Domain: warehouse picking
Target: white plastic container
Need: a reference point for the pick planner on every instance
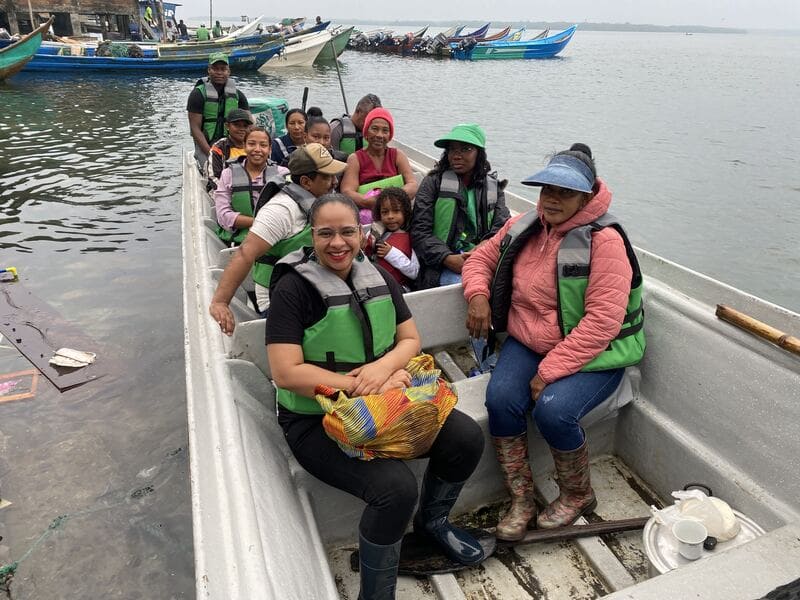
(661, 546)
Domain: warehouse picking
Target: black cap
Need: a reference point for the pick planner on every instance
(237, 114)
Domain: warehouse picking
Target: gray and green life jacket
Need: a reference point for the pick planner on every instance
(450, 209)
(241, 201)
(573, 267)
(214, 109)
(352, 139)
(264, 265)
(359, 325)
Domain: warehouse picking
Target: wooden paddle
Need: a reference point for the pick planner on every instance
(570, 532)
(756, 327)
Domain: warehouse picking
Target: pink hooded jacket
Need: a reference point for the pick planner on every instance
(533, 316)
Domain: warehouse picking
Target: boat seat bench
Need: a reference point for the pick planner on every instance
(440, 315)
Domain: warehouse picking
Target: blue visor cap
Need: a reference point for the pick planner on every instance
(564, 171)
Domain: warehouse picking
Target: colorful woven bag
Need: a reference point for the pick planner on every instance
(399, 423)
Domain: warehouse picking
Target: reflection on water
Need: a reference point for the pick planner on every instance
(89, 191)
(86, 166)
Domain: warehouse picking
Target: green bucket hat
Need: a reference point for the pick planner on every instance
(469, 133)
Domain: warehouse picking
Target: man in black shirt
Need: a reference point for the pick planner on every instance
(209, 103)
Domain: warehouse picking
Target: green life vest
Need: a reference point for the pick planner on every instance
(241, 202)
(358, 327)
(264, 265)
(214, 113)
(352, 139)
(450, 210)
(394, 181)
(574, 262)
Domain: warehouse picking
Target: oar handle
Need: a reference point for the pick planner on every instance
(570, 532)
(756, 327)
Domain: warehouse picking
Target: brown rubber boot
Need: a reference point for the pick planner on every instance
(512, 454)
(576, 496)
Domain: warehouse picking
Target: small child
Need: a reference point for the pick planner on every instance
(392, 249)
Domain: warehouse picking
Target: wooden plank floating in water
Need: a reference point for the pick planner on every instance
(37, 331)
(756, 327)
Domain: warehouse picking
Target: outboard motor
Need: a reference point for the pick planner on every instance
(467, 43)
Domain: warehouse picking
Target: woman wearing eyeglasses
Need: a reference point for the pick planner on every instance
(339, 320)
(567, 288)
(458, 205)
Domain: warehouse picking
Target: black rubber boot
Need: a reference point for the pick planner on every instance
(378, 569)
(436, 500)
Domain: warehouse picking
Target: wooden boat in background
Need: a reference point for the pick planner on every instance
(340, 39)
(496, 36)
(538, 36)
(480, 32)
(382, 43)
(299, 51)
(709, 403)
(545, 47)
(241, 58)
(15, 56)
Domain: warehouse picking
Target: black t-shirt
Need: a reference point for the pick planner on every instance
(196, 100)
(295, 305)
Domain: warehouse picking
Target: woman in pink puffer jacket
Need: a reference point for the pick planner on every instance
(540, 368)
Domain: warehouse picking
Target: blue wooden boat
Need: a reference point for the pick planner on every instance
(16, 55)
(242, 58)
(546, 47)
(480, 32)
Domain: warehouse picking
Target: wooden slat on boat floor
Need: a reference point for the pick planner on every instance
(556, 571)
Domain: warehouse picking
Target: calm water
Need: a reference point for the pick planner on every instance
(697, 136)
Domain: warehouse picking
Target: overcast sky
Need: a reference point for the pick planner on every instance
(753, 14)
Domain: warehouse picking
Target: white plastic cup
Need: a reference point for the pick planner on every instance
(690, 535)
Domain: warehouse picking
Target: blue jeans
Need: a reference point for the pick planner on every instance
(448, 277)
(561, 404)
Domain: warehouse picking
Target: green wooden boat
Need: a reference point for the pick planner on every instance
(339, 41)
(13, 58)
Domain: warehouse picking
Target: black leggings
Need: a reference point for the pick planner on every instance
(387, 485)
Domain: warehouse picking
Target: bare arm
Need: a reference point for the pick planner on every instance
(371, 377)
(291, 373)
(404, 168)
(233, 276)
(196, 129)
(243, 221)
(349, 185)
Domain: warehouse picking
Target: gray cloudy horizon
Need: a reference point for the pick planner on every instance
(747, 14)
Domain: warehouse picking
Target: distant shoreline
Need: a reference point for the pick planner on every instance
(557, 25)
(530, 25)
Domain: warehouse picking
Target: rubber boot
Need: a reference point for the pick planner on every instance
(378, 569)
(576, 496)
(436, 500)
(512, 454)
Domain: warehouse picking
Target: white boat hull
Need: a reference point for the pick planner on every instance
(710, 403)
(299, 52)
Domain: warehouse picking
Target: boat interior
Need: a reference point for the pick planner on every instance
(709, 403)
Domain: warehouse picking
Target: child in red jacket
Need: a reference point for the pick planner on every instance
(392, 249)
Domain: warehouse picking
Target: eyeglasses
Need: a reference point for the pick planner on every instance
(460, 149)
(327, 233)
